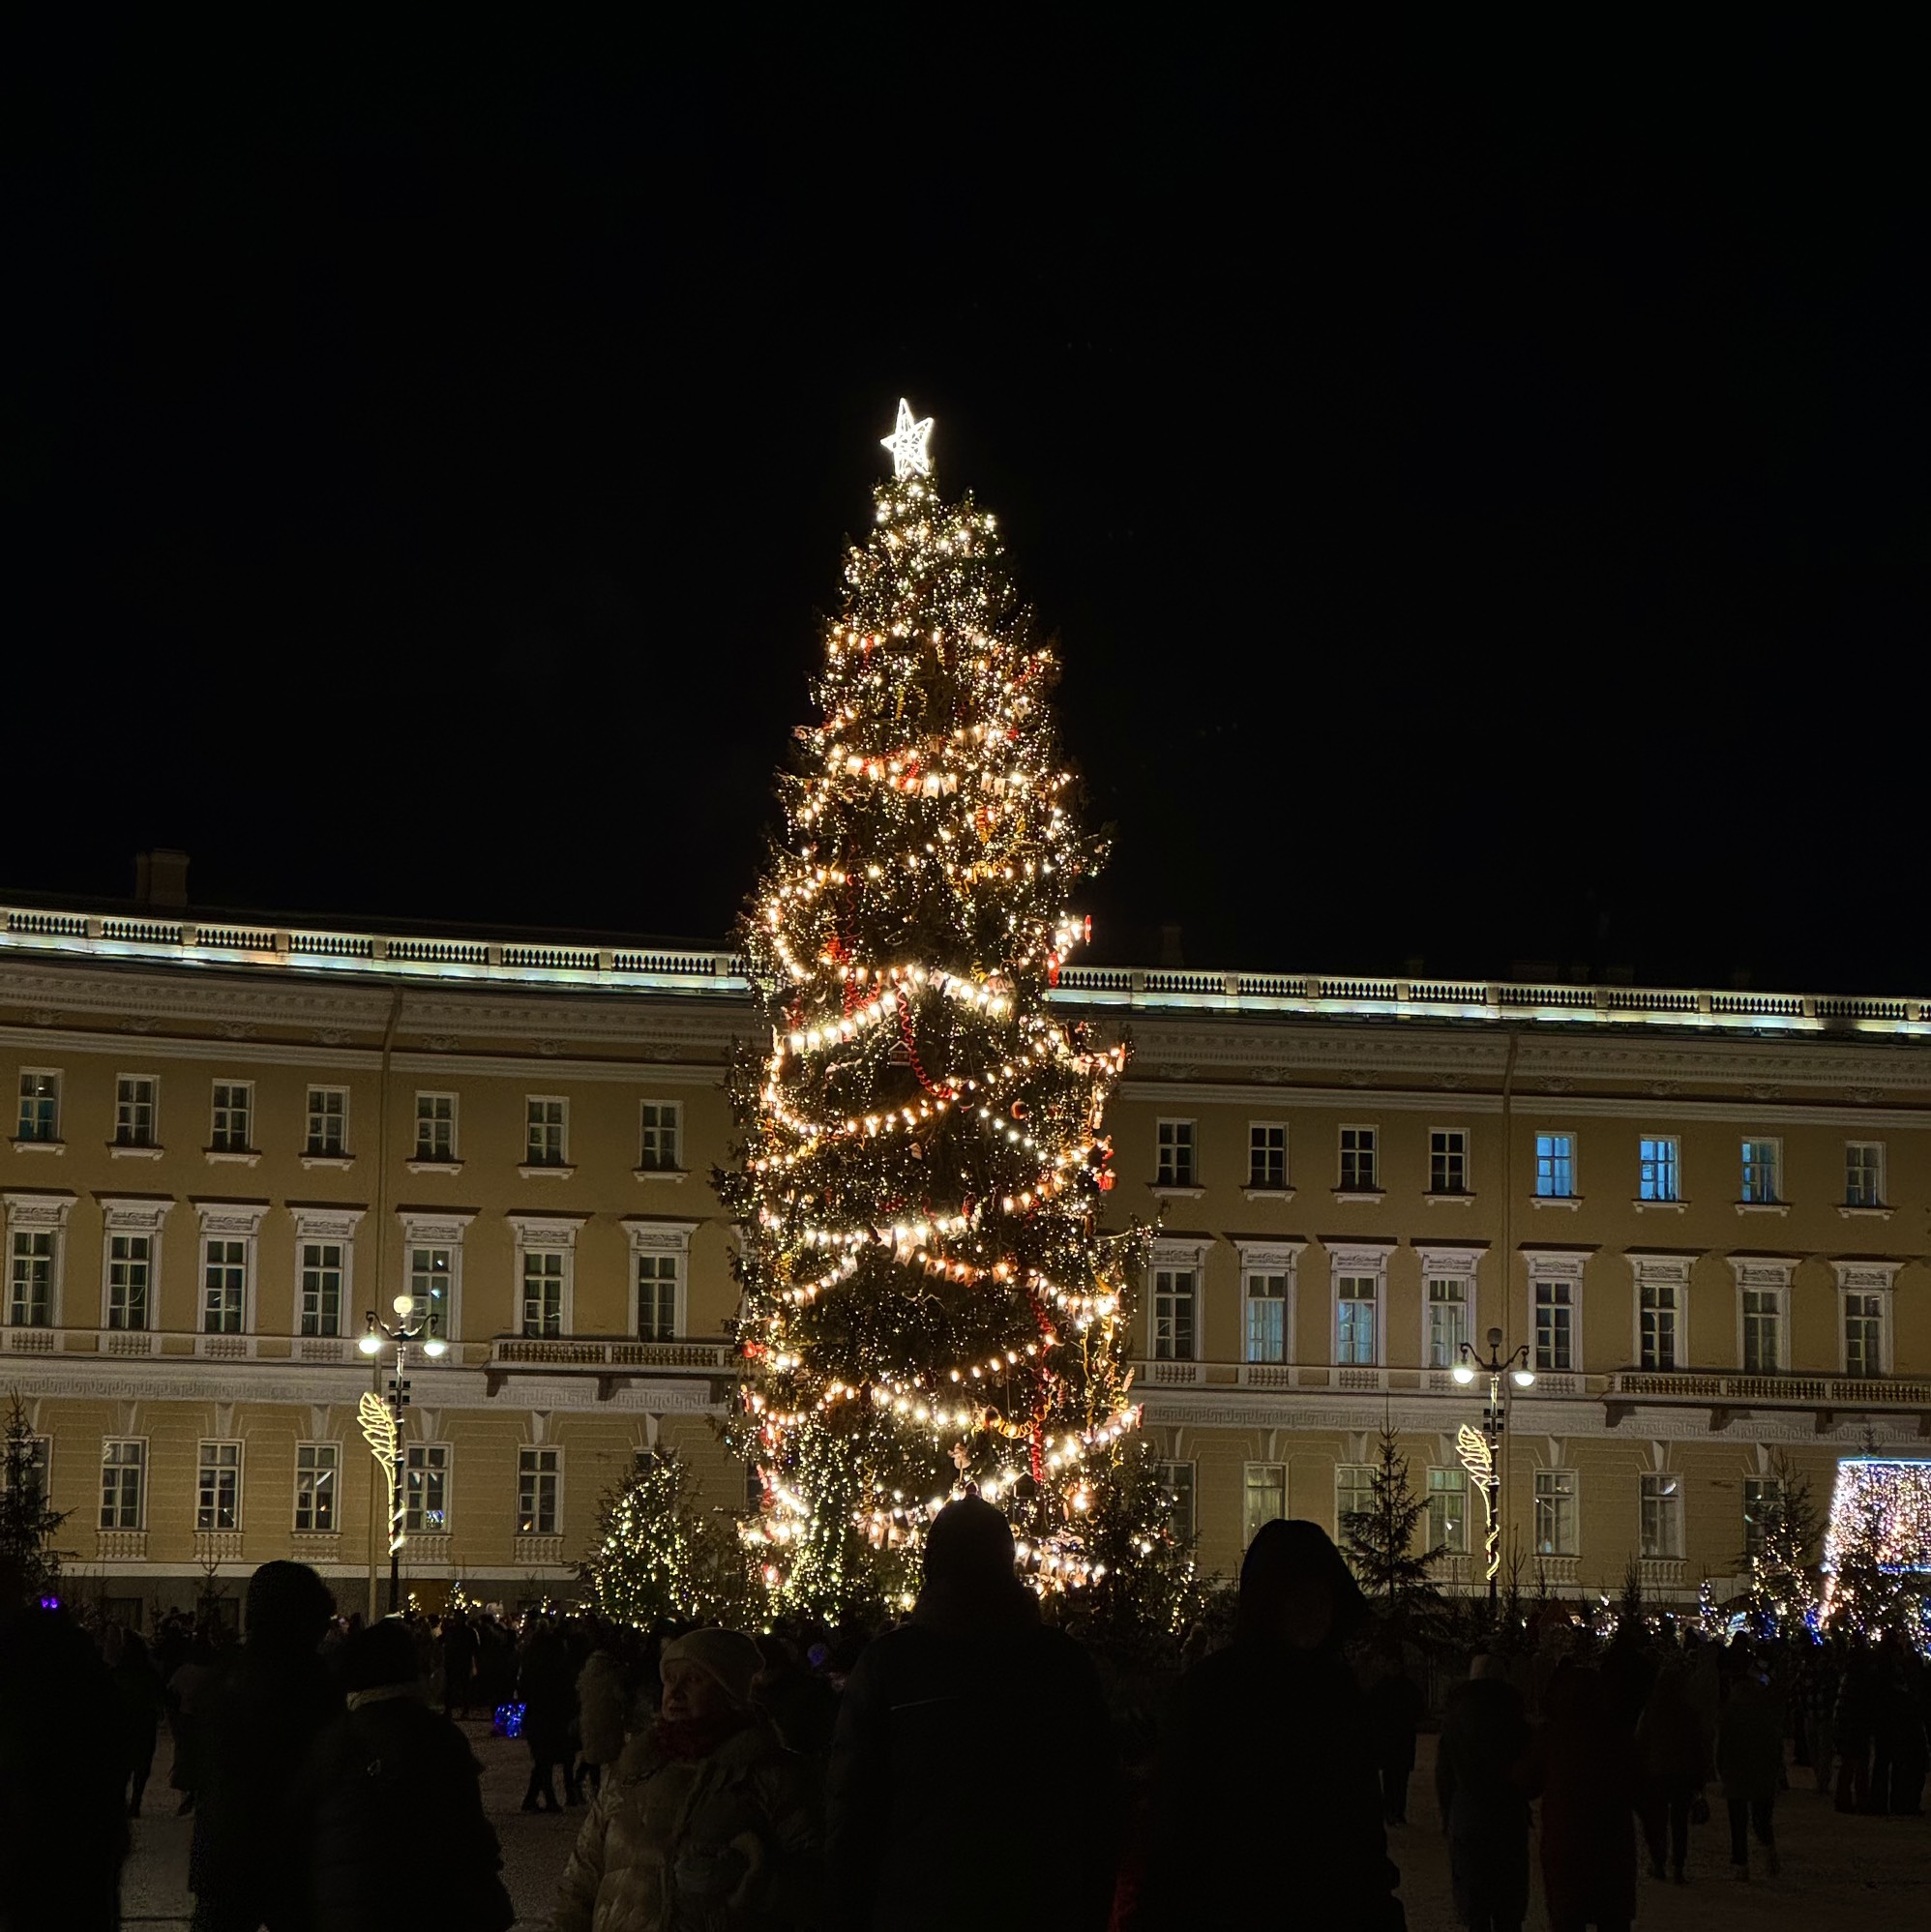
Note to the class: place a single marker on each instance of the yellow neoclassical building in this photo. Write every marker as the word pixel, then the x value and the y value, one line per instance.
pixel 1704 1214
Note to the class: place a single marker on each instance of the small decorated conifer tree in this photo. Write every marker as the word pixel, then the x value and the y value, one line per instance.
pixel 929 1305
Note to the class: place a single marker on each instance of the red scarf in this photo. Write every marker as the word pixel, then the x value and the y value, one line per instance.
pixel 685 1740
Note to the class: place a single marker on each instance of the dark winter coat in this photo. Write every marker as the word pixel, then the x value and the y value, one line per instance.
pixel 548 1685
pixel 1268 1756
pixel 1672 1745
pixel 1749 1742
pixel 1478 1772
pixel 937 1718
pixel 1583 1766
pixel 393 1764
pixel 1395 1706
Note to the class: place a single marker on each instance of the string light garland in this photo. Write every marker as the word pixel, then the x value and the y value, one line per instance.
pixel 930 1305
pixel 1877 1548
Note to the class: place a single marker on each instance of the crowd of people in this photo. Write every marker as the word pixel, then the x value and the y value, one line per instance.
pixel 969 1763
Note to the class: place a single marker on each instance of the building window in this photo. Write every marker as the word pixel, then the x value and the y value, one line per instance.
pixel 35 1485
pixel 30 1284
pixel 546 1141
pixel 1555 1325
pixel 662 1148
pixel 1447 1322
pixel 231 1129
pixel 431 1274
pixel 425 1488
pixel 436 1128
pixel 321 1288
pixel 1448 1510
pixel 1657 1312
pixel 1175 1150
pixel 218 1489
pixel 1177 1480
pixel 1267 1156
pixel 315 1486
pixel 1556 1167
pixel 134 1117
pixel 39 1107
pixel 1556 1512
pixel 539 1476
pixel 656 1297
pixel 1863 1333
pixel 328 1122
pixel 130 1273
pixel 1353 1494
pixel 1662 1516
pixel 1762 1179
pixel 1174 1292
pixel 123 1494
pixel 1658 1176
pixel 224 1285
pixel 1448 1160
pixel 1864 1174
pixel 1360 1169
pixel 1763 1503
pixel 544 1271
pixel 1762 1329
pixel 1355 1319
pixel 1266 1497
pixel 1266 1316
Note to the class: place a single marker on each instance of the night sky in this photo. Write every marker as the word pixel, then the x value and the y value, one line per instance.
pixel 1479 488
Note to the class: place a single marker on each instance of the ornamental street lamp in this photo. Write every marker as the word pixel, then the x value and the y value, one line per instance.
pixel 1479 1450
pixel 382 1420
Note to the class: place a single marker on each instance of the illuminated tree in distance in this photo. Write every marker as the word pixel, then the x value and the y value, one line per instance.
pixel 929 1306
pixel 1877 1549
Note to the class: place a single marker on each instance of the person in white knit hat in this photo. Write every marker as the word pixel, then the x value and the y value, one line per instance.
pixel 705 1819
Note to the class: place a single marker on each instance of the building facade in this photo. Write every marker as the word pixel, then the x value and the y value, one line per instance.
pixel 1705 1215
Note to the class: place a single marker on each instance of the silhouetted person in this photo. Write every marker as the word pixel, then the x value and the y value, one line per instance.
pixel 549 1688
pixel 1749 1756
pixel 245 1861
pixel 950 1708
pixel 706 1821
pixel 137 1685
pixel 458 1665
pixel 1585 1768
pixel 1854 1719
pixel 1268 1782
pixel 391 1761
pixel 189 1687
pixel 1673 1760
pixel 1478 1782
pixel 1394 1714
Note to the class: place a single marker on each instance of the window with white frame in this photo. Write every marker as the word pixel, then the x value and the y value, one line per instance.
pixel 1177 1480
pixel 1658 1167
pixel 1662 1303
pixel 223 1285
pixel 39 1449
pixel 1173 1153
pixel 1762 1172
pixel 218 1487
pixel 1864 1174
pixel 1266 1498
pixel 1662 1514
pixel 1555 1512
pixel 123 1491
pixel 130 1280
pixel 1175 1291
pixel 1447 1320
pixel 546 1270
pixel 539 1490
pixel 328 1123
pixel 30 1279
pixel 1360 1160
pixel 1762 1505
pixel 1762 1312
pixel 1448 1510
pixel 1864 1290
pixel 321 1288
pixel 435 1129
pixel 1266 1299
pixel 1448 1160
pixel 425 1488
pixel 430 1270
pixel 659 1269
pixel 1353 1494
pixel 315 1466
pixel 1267 1157
pixel 136 1112
pixel 1354 1323
pixel 661 1146
pixel 1556 1167
pixel 231 1127
pixel 1555 1295
pixel 433 1261
pixel 39 1105
pixel 547 1121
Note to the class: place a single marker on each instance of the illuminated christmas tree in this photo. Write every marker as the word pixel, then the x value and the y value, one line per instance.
pixel 661 1554
pixel 929 1306
pixel 1877 1551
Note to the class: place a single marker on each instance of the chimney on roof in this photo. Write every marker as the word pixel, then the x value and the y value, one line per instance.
pixel 161 879
pixel 1170 947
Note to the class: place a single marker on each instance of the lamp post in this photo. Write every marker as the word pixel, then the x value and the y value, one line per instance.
pixel 383 1429
pixel 1479 1452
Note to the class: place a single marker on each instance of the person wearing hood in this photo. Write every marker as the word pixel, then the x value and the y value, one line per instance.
pixel 704 1820
pixel 390 1758
pixel 973 1702
pixel 1478 1782
pixel 1269 1758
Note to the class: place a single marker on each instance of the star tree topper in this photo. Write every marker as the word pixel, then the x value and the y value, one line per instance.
pixel 908 444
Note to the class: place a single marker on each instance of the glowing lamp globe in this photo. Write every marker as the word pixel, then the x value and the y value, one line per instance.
pixel 371 1344
pixel 435 1347
pixel 1523 1377
pixel 1463 1374
pixel 403 1303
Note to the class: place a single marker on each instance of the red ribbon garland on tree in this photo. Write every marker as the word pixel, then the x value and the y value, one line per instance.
pixel 912 1048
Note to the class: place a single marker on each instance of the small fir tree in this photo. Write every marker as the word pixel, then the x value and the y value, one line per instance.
pixel 1782 1587
pixel 29 1564
pixel 1631 1612
pixel 660 1553
pixel 1379 1542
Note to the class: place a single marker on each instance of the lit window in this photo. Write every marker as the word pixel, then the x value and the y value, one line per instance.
pixel 1662 1515
pixel 545 1121
pixel 1762 1178
pixel 1267 1156
pixel 432 1269
pixel 425 1488
pixel 661 1150
pixel 1266 1495
pixel 1360 1173
pixel 539 1477
pixel 315 1486
pixel 436 1128
pixel 218 1489
pixel 122 1493
pixel 1447 1322
pixel 230 1127
pixel 1354 1320
pixel 1864 1174
pixel 134 1111
pixel 1174 1149
pixel 1266 1318
pixel 1556 1512
pixel 1174 1292
pixel 328 1122
pixel 1448 1512
pixel 39 1107
pixel 1656 1169
pixel 1555 1166
pixel 1448 1161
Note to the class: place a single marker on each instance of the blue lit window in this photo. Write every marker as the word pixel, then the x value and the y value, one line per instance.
pixel 1761 1161
pixel 1554 1166
pixel 1656 1176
